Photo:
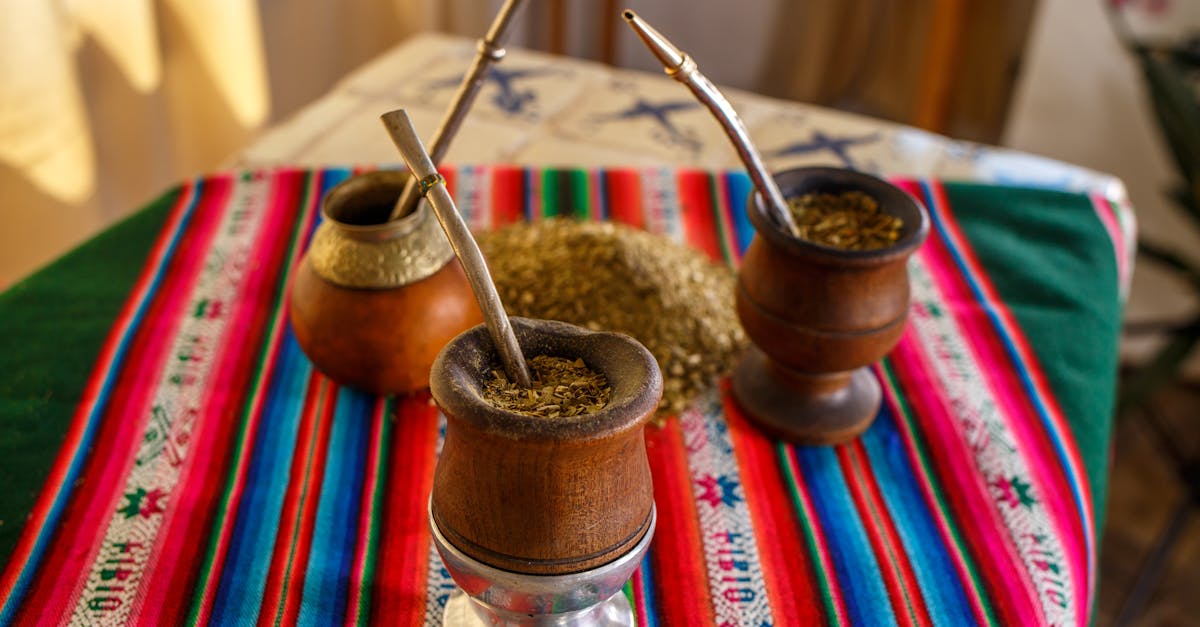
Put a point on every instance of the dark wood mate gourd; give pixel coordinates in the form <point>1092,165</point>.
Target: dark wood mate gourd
<point>818,316</point>
<point>544,496</point>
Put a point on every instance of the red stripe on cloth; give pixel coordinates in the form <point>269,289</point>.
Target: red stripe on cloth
<point>640,612</point>
<point>508,196</point>
<point>170,578</point>
<point>907,603</point>
<point>681,592</point>
<point>98,491</point>
<point>308,514</point>
<point>285,576</point>
<point>786,566</point>
<point>1073,468</point>
<point>1106,211</point>
<point>966,494</point>
<point>404,538</point>
<point>699,212</point>
<point>368,515</point>
<point>291,181</point>
<point>1001,374</point>
<point>82,418</point>
<point>625,197</point>
<point>940,515</point>
<point>450,173</point>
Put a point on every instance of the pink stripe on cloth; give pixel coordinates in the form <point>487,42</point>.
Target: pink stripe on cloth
<point>55,487</point>
<point>206,447</point>
<point>207,586</point>
<point>1036,454</point>
<point>131,416</point>
<point>992,548</point>
<point>891,396</point>
<point>1039,389</point>
<point>1105,213</point>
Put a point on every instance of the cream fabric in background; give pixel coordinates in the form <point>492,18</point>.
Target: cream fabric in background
<point>105,103</point>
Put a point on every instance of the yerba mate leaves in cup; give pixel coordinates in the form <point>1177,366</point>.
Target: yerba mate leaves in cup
<point>848,220</point>
<point>561,387</point>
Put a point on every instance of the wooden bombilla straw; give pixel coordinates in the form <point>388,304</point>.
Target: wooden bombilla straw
<point>489,50</point>
<point>679,66</point>
<point>433,186</point>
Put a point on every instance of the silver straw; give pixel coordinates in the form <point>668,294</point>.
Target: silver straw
<point>489,50</point>
<point>433,186</point>
<point>679,66</point>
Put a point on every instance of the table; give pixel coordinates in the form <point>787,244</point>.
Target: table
<point>206,473</point>
<point>539,109</point>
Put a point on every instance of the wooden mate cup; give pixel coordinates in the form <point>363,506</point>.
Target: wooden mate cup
<point>543,516</point>
<point>819,316</point>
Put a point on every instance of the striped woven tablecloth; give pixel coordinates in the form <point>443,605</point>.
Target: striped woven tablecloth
<point>206,473</point>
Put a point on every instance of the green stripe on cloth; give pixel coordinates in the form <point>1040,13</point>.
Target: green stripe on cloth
<point>52,327</point>
<point>1054,267</point>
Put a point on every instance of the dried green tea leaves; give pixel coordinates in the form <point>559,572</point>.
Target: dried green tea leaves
<point>561,388</point>
<point>849,220</point>
<point>610,277</point>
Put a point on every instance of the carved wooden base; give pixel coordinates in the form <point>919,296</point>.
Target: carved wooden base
<point>803,408</point>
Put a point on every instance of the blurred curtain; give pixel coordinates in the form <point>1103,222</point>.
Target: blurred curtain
<point>104,103</point>
<point>945,65</point>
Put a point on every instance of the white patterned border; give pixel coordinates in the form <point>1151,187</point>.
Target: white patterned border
<point>985,426</point>
<point>132,530</point>
<point>735,574</point>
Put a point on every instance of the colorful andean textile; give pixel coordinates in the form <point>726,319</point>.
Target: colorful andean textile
<point>206,473</point>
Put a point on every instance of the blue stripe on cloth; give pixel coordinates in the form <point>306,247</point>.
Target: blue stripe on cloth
<point>648,591</point>
<point>42,542</point>
<point>601,209</point>
<point>737,191</point>
<point>329,179</point>
<point>530,185</point>
<point>327,578</point>
<point>936,575</point>
<point>850,551</point>
<point>244,577</point>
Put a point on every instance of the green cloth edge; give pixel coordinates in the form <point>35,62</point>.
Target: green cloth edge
<point>1042,247</point>
<point>52,327</point>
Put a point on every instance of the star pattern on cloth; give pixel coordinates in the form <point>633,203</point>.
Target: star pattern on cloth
<point>718,490</point>
<point>142,503</point>
<point>1014,492</point>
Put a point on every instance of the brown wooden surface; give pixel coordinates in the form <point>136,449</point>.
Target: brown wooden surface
<point>1144,489</point>
<point>544,495</point>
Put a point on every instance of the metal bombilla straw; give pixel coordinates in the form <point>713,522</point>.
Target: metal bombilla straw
<point>489,50</point>
<point>679,66</point>
<point>433,186</point>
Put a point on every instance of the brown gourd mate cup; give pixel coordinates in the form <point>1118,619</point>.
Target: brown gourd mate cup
<point>374,300</point>
<point>544,496</point>
<point>819,316</point>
